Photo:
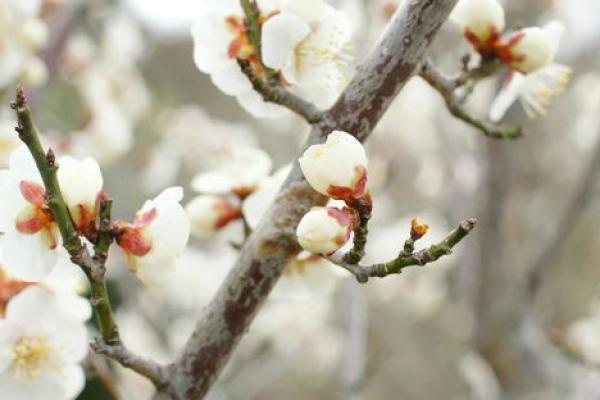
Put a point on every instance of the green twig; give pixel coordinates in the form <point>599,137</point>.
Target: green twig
<point>423,257</point>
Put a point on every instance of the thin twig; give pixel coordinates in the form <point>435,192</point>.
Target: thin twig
<point>447,86</point>
<point>274,92</point>
<point>362,273</point>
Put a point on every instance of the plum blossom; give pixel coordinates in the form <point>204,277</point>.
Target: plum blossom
<point>256,204</point>
<point>527,50</point>
<point>324,230</point>
<point>209,213</point>
<point>536,90</point>
<point>308,275</point>
<point>156,238</point>
<point>43,339</point>
<point>337,168</point>
<point>81,183</point>
<point>238,171</point>
<point>31,237</point>
<point>309,42</point>
<point>306,43</point>
<point>482,21</point>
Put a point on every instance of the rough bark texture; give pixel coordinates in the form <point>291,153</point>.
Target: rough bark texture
<point>390,65</point>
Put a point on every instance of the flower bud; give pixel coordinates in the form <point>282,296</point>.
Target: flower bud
<point>528,50</point>
<point>209,213</point>
<point>482,21</point>
<point>337,168</point>
<point>323,230</point>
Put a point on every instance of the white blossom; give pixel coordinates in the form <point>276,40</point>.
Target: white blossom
<point>256,204</point>
<point>324,230</point>
<point>482,21</point>
<point>209,213</point>
<point>307,42</point>
<point>529,49</point>
<point>156,238</point>
<point>337,168</point>
<point>42,341</point>
<point>536,90</point>
<point>237,171</point>
<point>31,239</point>
<point>80,183</point>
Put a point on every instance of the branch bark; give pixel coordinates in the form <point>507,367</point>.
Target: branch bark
<point>378,80</point>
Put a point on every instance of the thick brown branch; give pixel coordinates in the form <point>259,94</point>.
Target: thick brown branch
<point>268,250</point>
<point>446,87</point>
<point>423,257</point>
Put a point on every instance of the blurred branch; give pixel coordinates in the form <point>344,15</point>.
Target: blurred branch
<point>583,193</point>
<point>378,80</point>
<point>94,267</point>
<point>362,273</point>
<point>447,86</point>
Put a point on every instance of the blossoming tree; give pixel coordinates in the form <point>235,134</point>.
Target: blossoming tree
<point>275,57</point>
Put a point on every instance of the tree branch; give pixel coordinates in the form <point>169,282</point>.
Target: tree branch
<point>93,266</point>
<point>447,86</point>
<point>274,92</point>
<point>362,273</point>
<point>268,250</point>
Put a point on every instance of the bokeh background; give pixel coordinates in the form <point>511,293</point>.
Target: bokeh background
<point>514,312</point>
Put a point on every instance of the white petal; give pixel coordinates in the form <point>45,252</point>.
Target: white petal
<point>280,35</point>
<point>211,41</point>
<point>156,272</point>
<point>230,79</point>
<point>507,96</point>
<point>74,380</point>
<point>307,10</point>
<point>26,257</point>
<point>255,205</point>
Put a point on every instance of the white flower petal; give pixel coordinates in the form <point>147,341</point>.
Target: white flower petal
<point>280,35</point>
<point>26,257</point>
<point>230,79</point>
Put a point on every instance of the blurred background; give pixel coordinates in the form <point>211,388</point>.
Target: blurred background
<point>514,313</point>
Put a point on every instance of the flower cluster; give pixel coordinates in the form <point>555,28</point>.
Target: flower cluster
<point>528,52</point>
<point>306,44</point>
<point>338,169</point>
